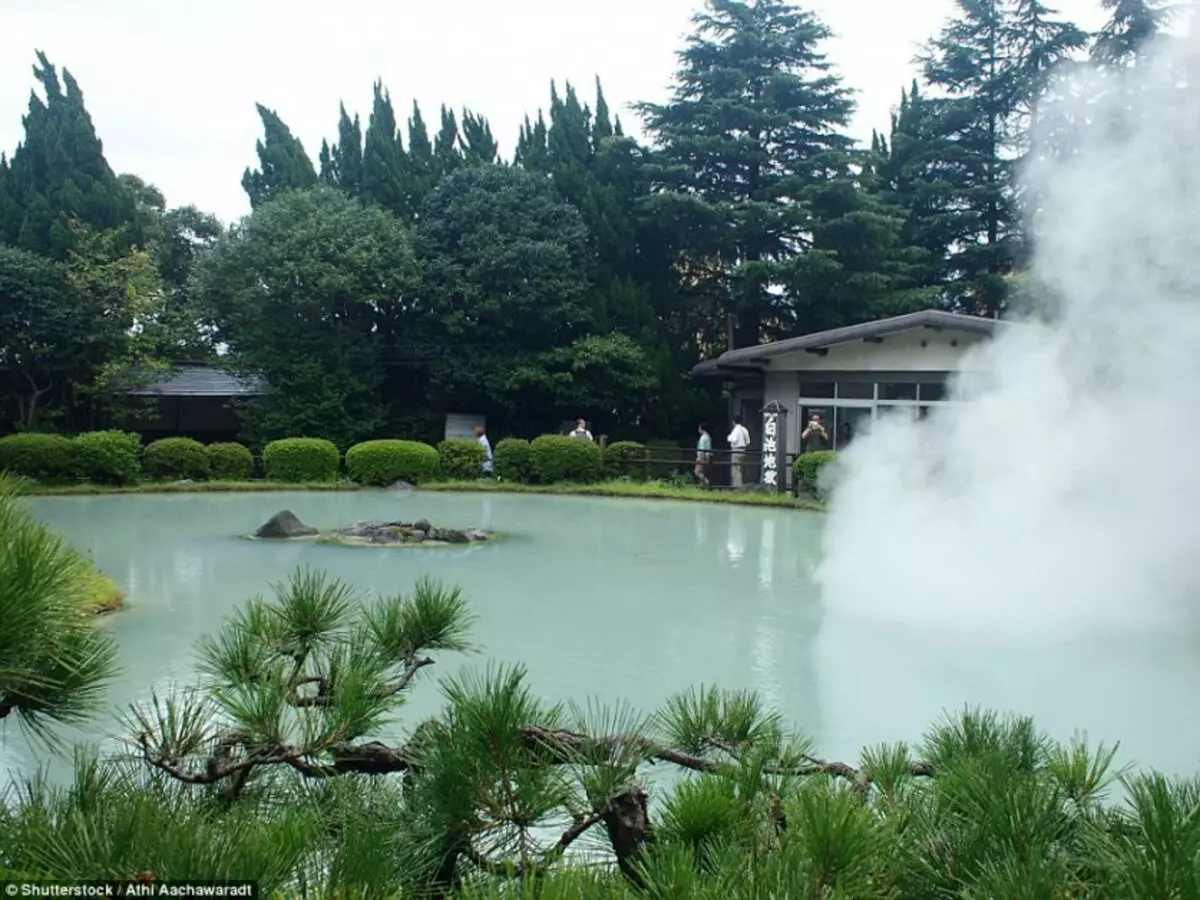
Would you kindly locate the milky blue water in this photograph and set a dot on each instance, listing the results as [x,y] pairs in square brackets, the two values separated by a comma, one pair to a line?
[619,600]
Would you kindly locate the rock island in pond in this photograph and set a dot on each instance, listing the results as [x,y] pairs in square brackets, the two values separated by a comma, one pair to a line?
[284,525]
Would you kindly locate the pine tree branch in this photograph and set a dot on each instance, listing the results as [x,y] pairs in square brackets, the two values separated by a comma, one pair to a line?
[325,695]
[550,746]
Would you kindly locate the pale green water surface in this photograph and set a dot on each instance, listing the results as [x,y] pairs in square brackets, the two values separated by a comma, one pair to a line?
[621,600]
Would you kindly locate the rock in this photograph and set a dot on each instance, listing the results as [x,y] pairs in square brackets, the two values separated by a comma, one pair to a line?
[284,524]
[417,536]
[476,535]
[422,525]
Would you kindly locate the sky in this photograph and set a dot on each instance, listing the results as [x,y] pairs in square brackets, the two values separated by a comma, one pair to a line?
[171,84]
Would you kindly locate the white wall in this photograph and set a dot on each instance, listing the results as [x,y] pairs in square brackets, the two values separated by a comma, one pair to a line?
[916,350]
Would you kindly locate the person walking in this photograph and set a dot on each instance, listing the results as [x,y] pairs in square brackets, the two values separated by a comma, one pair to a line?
[703,456]
[482,438]
[581,430]
[739,440]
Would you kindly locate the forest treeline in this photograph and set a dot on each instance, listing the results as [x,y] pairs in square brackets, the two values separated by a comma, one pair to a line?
[405,269]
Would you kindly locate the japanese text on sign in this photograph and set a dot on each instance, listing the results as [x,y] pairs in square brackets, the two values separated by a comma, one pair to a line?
[770,472]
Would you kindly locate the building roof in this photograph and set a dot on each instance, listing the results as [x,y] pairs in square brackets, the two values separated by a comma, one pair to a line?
[201,381]
[755,357]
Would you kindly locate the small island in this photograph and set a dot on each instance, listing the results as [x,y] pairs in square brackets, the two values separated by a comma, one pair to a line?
[285,525]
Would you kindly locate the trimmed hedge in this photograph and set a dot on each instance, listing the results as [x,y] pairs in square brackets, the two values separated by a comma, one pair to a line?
[176,458]
[230,462]
[48,458]
[626,459]
[512,460]
[301,460]
[462,458]
[807,469]
[109,457]
[557,458]
[384,462]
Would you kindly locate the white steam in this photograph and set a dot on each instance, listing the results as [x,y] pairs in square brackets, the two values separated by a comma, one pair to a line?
[1066,495]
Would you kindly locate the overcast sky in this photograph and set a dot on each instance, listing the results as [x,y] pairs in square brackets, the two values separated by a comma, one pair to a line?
[171,84]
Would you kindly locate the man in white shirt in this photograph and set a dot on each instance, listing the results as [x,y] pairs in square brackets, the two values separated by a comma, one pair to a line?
[481,436]
[581,430]
[739,440]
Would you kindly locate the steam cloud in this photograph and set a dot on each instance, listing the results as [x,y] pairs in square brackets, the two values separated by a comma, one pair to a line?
[1066,496]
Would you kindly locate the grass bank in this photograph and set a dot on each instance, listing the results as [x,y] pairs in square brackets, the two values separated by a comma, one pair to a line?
[651,491]
[630,489]
[31,489]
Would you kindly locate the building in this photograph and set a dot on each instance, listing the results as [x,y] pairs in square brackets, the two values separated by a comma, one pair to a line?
[193,401]
[850,375]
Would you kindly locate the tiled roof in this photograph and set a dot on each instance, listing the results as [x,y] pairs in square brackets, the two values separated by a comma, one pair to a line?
[201,381]
[928,318]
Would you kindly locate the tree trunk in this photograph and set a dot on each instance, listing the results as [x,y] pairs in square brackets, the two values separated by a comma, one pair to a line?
[629,829]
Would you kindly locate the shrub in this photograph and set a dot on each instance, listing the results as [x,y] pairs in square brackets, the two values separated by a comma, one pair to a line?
[462,458]
[807,469]
[380,463]
[43,457]
[176,458]
[301,460]
[512,460]
[109,457]
[230,462]
[557,458]
[626,459]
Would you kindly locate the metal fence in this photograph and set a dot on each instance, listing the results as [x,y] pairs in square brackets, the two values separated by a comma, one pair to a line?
[679,462]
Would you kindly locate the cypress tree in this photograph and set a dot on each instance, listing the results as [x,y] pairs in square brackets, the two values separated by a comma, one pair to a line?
[59,175]
[283,163]
[423,168]
[385,178]
[445,147]
[342,164]
[602,126]
[479,147]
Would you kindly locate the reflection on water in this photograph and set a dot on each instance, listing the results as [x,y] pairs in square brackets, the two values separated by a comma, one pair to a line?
[622,600]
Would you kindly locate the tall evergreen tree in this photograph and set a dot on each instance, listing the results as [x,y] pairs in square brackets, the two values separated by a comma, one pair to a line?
[342,164]
[422,165]
[972,61]
[445,145]
[58,175]
[755,125]
[602,126]
[479,147]
[532,152]
[385,164]
[994,63]
[1131,26]
[283,163]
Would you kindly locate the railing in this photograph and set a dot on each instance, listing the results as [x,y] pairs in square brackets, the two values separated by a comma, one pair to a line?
[680,463]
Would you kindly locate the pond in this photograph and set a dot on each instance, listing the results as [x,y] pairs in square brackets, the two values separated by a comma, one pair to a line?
[620,600]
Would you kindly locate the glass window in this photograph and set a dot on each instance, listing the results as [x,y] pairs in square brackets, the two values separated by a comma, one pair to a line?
[849,422]
[820,389]
[933,393]
[856,390]
[897,391]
